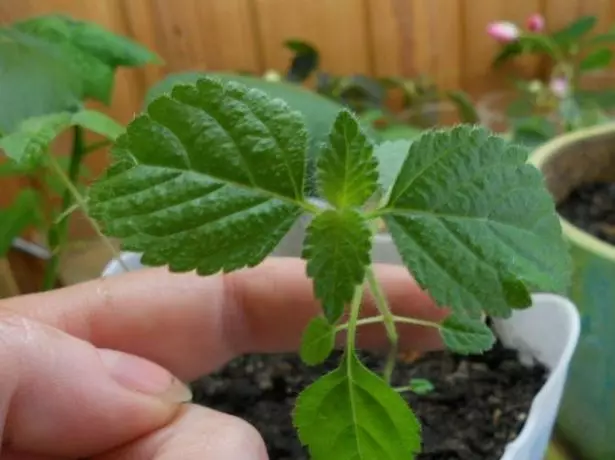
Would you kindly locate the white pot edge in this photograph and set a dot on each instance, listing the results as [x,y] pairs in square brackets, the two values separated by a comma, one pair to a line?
[532,442]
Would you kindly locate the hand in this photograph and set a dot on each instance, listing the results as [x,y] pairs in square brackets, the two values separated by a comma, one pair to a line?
[88,371]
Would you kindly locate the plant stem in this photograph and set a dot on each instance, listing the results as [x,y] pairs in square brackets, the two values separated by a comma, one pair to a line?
[361,322]
[415,321]
[57,234]
[403,389]
[353,320]
[70,187]
[388,320]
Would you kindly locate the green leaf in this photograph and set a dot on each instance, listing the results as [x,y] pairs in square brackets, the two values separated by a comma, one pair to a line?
[337,249]
[305,60]
[209,178]
[465,107]
[421,386]
[597,59]
[99,123]
[318,112]
[391,156]
[472,220]
[91,51]
[28,145]
[526,44]
[347,169]
[399,131]
[532,131]
[35,80]
[9,168]
[318,341]
[466,336]
[352,414]
[607,38]
[22,213]
[575,31]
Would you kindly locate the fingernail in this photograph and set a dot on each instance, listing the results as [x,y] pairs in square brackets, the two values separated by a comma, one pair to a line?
[143,376]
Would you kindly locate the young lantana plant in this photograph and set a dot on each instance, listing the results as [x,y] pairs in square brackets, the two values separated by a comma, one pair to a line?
[213,175]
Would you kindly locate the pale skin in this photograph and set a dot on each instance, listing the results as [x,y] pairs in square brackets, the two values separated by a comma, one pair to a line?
[87,371]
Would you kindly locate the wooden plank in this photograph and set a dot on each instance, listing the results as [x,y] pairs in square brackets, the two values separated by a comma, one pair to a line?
[338,28]
[479,49]
[390,37]
[198,35]
[438,53]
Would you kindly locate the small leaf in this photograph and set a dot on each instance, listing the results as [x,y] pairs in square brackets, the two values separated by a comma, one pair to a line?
[465,107]
[318,341]
[337,249]
[576,30]
[347,169]
[391,156]
[22,213]
[28,145]
[607,38]
[352,414]
[597,59]
[466,336]
[472,220]
[209,178]
[421,386]
[99,123]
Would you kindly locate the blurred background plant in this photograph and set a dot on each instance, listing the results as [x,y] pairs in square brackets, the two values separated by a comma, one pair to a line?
[572,95]
[52,66]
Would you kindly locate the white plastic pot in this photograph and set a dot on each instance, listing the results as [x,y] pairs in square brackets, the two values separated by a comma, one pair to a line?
[547,332]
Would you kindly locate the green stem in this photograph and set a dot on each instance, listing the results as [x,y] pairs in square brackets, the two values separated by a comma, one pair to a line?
[361,322]
[58,233]
[353,320]
[80,200]
[388,320]
[397,319]
[403,389]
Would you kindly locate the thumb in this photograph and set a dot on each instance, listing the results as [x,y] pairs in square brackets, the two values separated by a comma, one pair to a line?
[61,396]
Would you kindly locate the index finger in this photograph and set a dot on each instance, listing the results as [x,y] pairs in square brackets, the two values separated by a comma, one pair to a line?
[192,325]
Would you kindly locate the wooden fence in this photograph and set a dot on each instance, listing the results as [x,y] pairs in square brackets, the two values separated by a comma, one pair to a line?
[445,39]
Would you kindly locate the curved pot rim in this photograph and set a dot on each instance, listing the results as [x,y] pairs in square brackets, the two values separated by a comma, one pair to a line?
[551,149]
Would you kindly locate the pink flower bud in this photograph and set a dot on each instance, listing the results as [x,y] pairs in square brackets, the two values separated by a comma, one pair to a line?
[536,23]
[559,87]
[502,31]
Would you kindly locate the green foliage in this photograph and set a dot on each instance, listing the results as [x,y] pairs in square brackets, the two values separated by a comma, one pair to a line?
[28,144]
[337,249]
[35,80]
[421,386]
[597,59]
[465,107]
[575,31]
[318,341]
[91,51]
[466,335]
[211,177]
[491,214]
[352,414]
[22,213]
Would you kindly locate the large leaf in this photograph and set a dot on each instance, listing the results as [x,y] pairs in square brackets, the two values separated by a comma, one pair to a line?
[209,178]
[319,112]
[93,52]
[337,249]
[34,80]
[575,31]
[22,213]
[352,414]
[466,336]
[347,169]
[474,222]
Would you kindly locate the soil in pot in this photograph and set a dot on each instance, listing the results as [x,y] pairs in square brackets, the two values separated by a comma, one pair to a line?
[591,207]
[478,404]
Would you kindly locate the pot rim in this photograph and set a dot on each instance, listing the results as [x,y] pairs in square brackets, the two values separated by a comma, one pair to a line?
[550,150]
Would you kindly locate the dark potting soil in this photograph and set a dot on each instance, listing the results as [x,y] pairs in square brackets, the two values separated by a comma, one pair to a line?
[478,405]
[591,207]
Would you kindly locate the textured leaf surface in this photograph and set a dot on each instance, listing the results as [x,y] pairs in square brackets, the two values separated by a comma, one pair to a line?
[317,341]
[347,169]
[465,335]
[209,178]
[318,111]
[391,156]
[91,51]
[337,249]
[475,224]
[352,414]
[34,80]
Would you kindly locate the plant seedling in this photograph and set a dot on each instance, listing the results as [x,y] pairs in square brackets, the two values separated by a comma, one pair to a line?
[213,175]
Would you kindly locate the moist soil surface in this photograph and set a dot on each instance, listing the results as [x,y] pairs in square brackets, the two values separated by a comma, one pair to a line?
[478,404]
[591,207]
